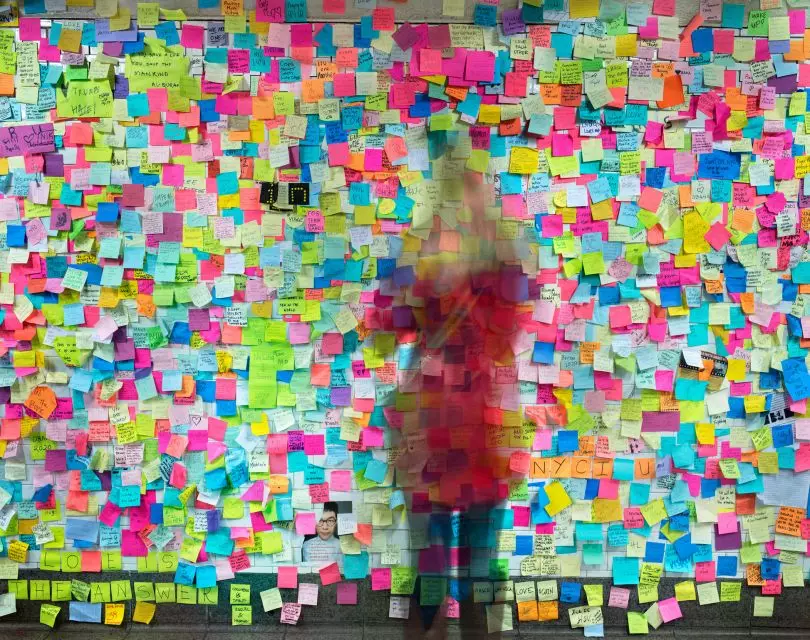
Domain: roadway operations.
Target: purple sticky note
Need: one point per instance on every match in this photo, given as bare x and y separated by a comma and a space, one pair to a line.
121, 89
124, 350
104, 34
404, 276
113, 49
199, 319
54, 165
347, 593
403, 317
212, 518
727, 541
341, 396
652, 421
512, 22
56, 460
785, 84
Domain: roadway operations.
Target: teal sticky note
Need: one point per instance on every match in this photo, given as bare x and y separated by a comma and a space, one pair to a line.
227, 183
733, 16
625, 570
376, 470
639, 493
355, 567
592, 554
623, 469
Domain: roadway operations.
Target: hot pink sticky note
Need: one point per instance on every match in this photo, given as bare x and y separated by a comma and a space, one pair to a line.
288, 577
192, 36
380, 579
305, 523
727, 522
669, 609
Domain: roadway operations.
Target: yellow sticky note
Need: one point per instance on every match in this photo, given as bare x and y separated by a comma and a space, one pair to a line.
637, 623
584, 9
148, 14
241, 615
70, 40
558, 498
144, 612
523, 160
114, 613
736, 370
654, 512
595, 594
48, 614
121, 20
763, 607
685, 591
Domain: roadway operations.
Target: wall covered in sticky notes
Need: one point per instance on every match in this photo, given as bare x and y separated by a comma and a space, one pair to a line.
428, 305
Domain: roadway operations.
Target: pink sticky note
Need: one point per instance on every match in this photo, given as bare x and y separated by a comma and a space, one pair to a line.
30, 29
340, 480
727, 522
192, 36
288, 577
308, 594
270, 11
717, 236
480, 66
705, 571
305, 524
669, 609
619, 597
522, 516
330, 574
380, 579
650, 199
347, 593
298, 332
290, 612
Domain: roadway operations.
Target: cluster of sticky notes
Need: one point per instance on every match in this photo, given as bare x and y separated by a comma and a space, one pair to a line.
526, 295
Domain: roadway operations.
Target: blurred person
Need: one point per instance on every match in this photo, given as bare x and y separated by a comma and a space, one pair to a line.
471, 309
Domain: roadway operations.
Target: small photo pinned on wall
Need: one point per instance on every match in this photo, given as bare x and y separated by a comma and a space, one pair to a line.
324, 545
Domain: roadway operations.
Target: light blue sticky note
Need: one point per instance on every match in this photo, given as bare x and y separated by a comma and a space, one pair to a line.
85, 612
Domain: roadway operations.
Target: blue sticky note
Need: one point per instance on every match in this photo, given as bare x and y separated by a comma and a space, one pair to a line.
85, 612
570, 592
185, 573
543, 353
797, 381
85, 530
719, 165
727, 566
567, 441
485, 15
702, 40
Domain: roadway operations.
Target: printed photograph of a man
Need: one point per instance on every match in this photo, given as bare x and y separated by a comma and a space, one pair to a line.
324, 546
